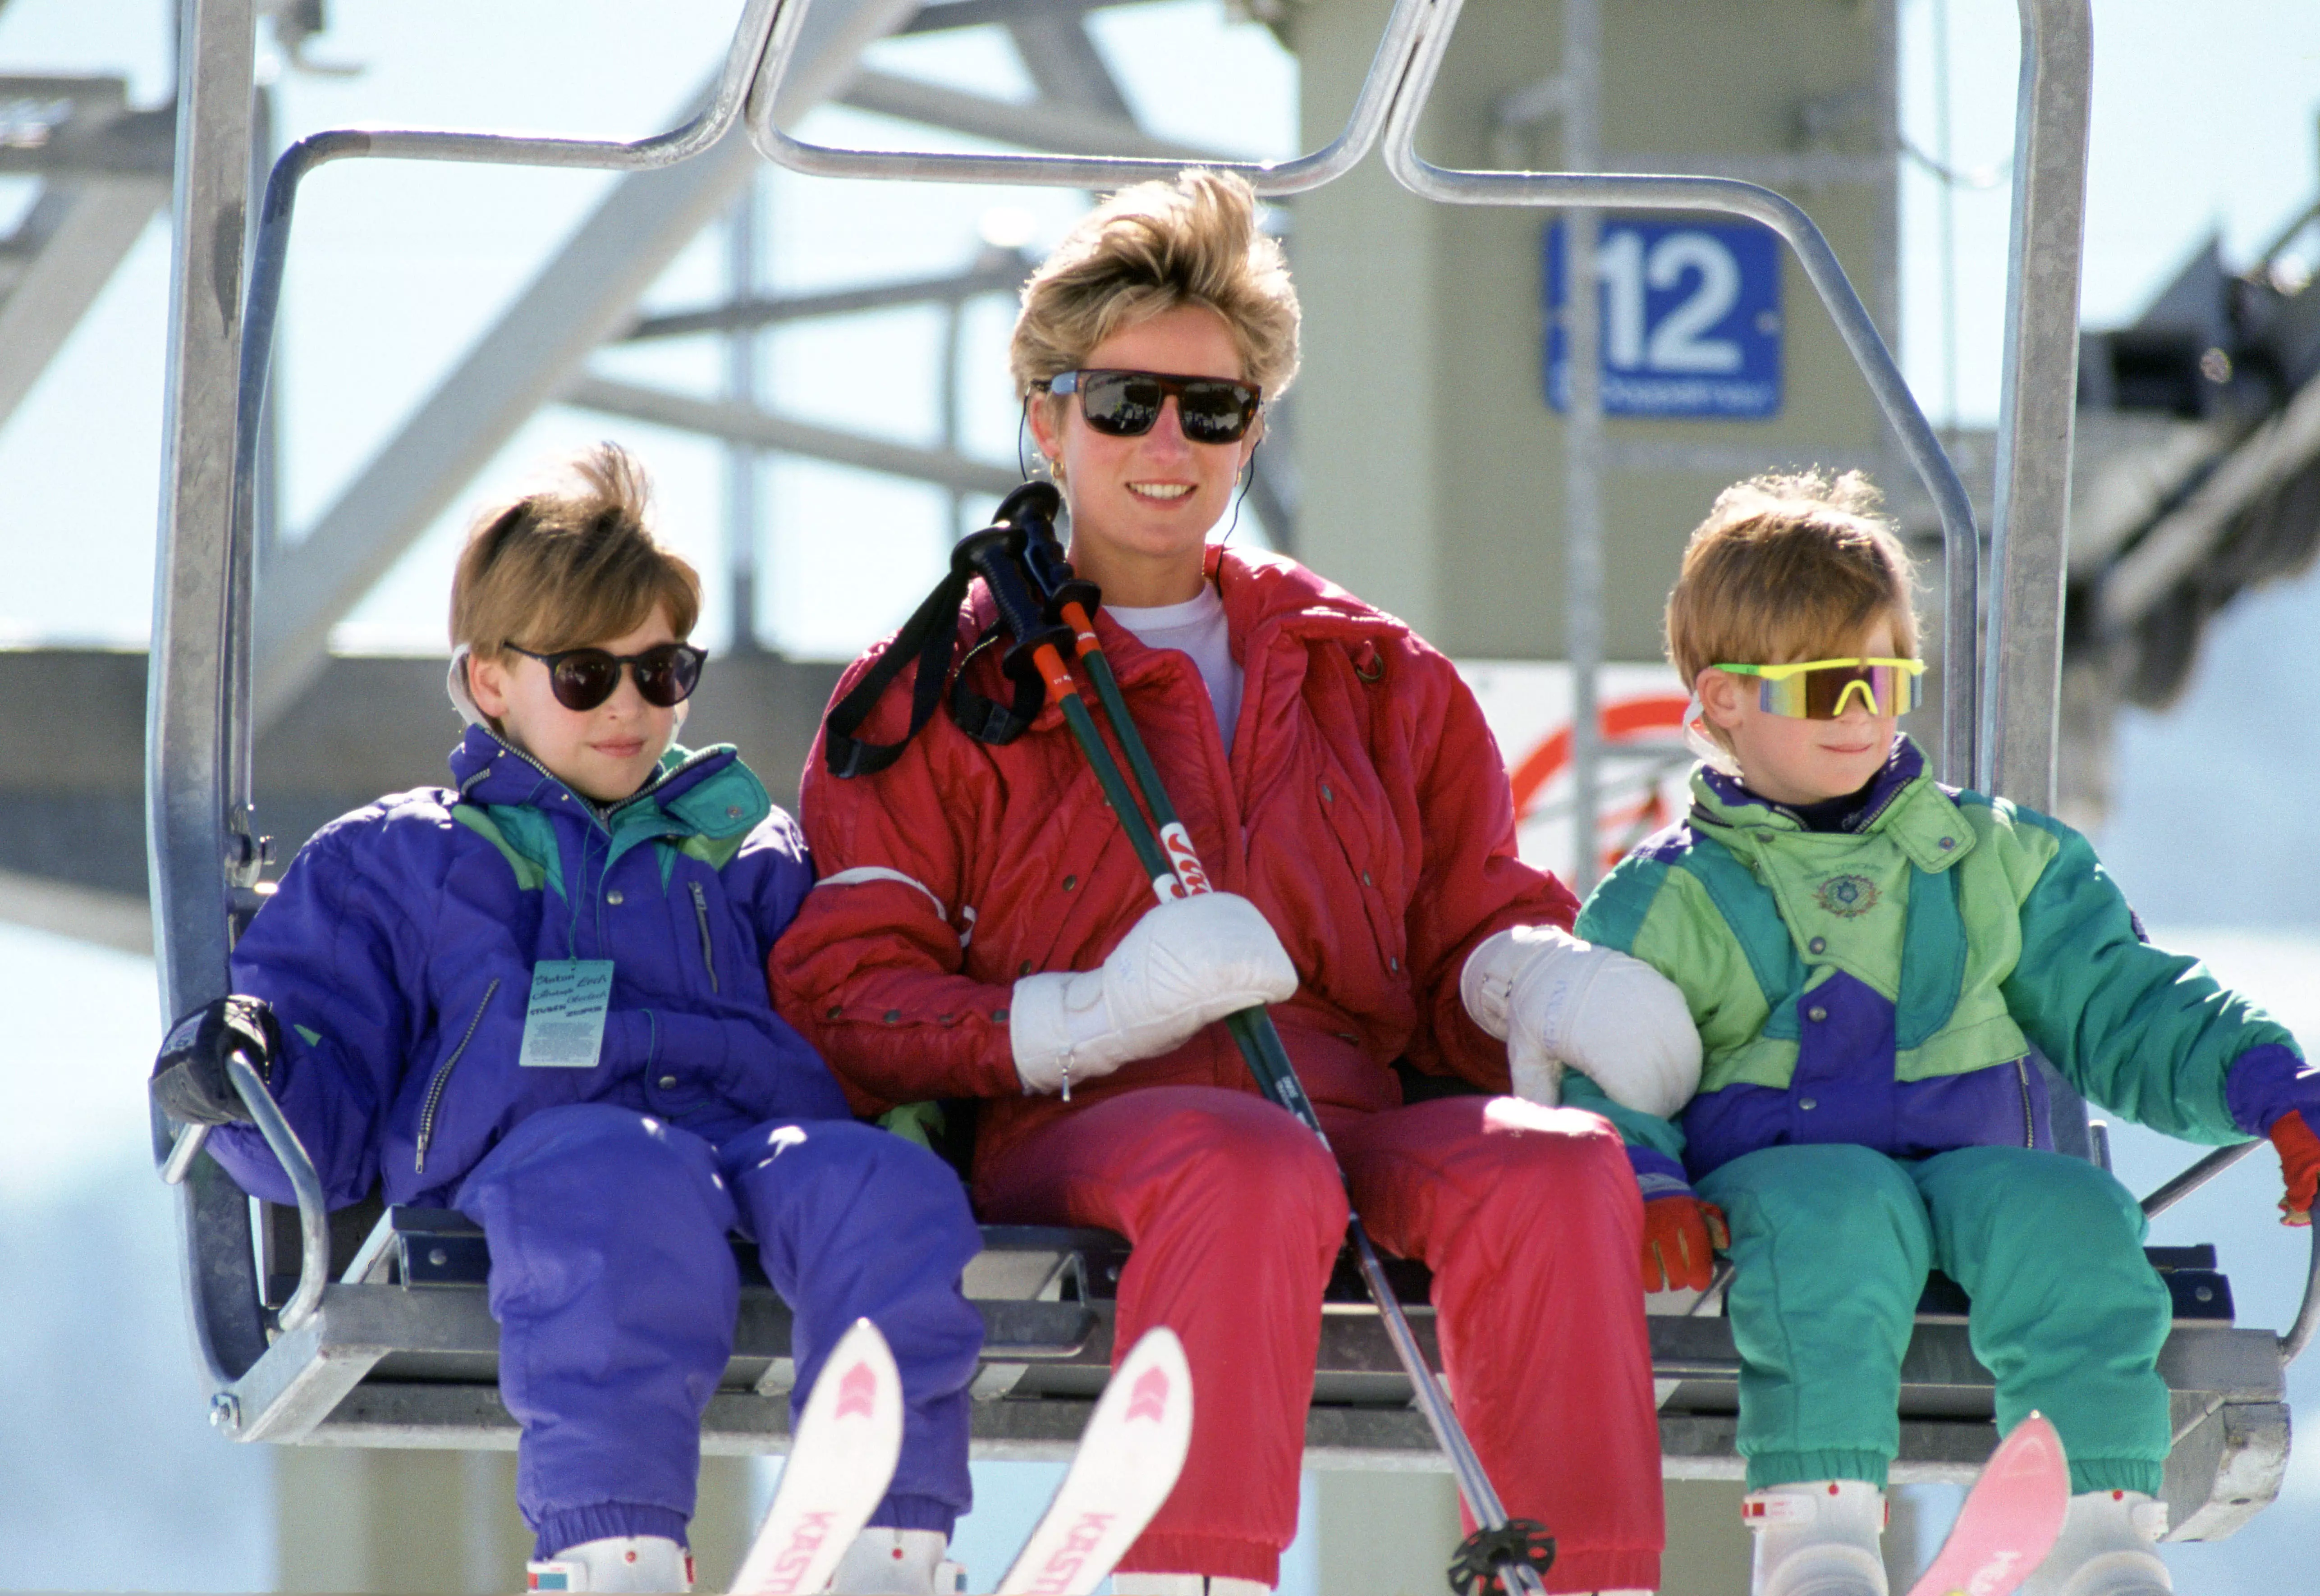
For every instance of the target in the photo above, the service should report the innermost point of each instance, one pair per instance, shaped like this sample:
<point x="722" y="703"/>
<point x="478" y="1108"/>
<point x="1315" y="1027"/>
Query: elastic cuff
<point x="1589" y="1569"/>
<point x="2116" y="1474"/>
<point x="1657" y="1174"/>
<point x="601" y="1521"/>
<point x="2266" y="1083"/>
<point x="1219" y="1556"/>
<point x="1767" y="1469"/>
<point x="914" y="1512"/>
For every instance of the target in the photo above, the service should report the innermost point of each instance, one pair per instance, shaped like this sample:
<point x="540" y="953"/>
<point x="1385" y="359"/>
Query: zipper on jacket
<point x="2029" y="1118"/>
<point x="708" y="947"/>
<point x="443" y="1079"/>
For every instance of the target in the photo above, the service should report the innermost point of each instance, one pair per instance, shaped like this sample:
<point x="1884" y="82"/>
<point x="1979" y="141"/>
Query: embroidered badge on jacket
<point x="1847" y="896"/>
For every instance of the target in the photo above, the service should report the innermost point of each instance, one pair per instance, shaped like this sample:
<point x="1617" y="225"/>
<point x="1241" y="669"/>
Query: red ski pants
<point x="1529" y="1218"/>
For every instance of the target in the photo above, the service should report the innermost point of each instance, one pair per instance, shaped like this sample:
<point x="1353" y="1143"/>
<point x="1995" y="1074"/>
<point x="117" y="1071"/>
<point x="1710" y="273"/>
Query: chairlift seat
<point x="404" y="1352"/>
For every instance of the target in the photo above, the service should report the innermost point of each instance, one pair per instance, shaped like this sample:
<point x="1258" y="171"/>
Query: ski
<point x="841" y="1460"/>
<point x="2011" y="1518"/>
<point x="1126" y="1465"/>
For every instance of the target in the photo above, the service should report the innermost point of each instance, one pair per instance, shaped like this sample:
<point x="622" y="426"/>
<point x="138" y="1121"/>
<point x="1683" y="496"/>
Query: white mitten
<point x="1556" y="1000"/>
<point x="1188" y="961"/>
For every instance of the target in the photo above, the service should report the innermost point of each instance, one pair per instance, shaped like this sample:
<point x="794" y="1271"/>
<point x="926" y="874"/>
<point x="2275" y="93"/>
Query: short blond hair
<point x="1146" y="250"/>
<point x="1792" y="565"/>
<point x="570" y="565"/>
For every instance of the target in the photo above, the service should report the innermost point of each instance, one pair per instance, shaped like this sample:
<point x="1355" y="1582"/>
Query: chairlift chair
<point x="369" y="1327"/>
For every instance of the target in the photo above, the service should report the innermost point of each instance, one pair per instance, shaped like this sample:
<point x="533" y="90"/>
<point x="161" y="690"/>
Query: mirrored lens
<point x="668" y="675"/>
<point x="1214" y="413"/>
<point x="1120" y="403"/>
<point x="1827" y="694"/>
<point x="585" y="679"/>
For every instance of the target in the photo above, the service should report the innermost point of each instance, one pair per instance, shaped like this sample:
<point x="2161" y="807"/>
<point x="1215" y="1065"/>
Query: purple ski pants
<point x="615" y="1290"/>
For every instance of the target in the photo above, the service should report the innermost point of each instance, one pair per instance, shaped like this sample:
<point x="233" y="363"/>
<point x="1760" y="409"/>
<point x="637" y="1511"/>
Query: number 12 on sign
<point x="1690" y="319"/>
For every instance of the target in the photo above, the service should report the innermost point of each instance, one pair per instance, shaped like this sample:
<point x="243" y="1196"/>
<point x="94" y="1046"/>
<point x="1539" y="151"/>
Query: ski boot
<point x="898" y="1563"/>
<point x="1817" y="1538"/>
<point x="636" y="1562"/>
<point x="2106" y="1548"/>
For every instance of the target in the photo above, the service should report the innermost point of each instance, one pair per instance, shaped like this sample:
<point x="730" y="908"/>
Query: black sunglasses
<point x="583" y="678"/>
<point x="1126" y="403"/>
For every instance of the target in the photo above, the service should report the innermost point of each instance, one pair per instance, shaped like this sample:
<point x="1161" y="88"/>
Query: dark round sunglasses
<point x="583" y="678"/>
<point x="1127" y="403"/>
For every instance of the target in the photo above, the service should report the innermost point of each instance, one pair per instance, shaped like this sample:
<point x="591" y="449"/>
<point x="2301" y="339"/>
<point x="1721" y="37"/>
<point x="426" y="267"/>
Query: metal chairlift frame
<point x="295" y="1371"/>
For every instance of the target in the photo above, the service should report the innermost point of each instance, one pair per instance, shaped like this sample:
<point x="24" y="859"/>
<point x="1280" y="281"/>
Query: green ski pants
<point x="1830" y="1246"/>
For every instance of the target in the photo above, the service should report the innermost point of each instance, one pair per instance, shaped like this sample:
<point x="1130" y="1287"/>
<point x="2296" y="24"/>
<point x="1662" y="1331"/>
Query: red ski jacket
<point x="1363" y="807"/>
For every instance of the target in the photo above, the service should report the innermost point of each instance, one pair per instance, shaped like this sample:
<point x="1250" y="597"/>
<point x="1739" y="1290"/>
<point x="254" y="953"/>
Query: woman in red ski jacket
<point x="983" y="929"/>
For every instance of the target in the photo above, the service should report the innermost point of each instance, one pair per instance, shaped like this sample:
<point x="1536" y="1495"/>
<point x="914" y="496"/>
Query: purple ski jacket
<point x="398" y="956"/>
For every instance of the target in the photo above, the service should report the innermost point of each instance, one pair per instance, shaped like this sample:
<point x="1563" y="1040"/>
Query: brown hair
<point x="571" y="565"/>
<point x="1789" y="566"/>
<point x="1146" y="250"/>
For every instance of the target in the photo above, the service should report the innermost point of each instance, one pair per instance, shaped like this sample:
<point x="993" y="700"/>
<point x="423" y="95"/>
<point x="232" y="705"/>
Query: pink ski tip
<point x="1149" y="1399"/>
<point x="857" y="1390"/>
<point x="2011" y="1520"/>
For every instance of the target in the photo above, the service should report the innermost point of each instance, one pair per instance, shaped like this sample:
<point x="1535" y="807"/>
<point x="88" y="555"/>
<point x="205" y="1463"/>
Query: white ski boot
<point x="1184" y="1584"/>
<point x="636" y="1562"/>
<point x="898" y="1563"/>
<point x="2106" y="1548"/>
<point x="1817" y="1539"/>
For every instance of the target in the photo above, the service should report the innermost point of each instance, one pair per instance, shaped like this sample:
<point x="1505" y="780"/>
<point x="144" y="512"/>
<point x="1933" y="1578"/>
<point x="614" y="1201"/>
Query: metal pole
<point x="187" y="773"/>
<point x="741" y="388"/>
<point x="1583" y="433"/>
<point x="2037" y="404"/>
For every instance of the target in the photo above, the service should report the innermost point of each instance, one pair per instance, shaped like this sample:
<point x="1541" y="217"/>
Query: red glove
<point x="1681" y="1236"/>
<point x="2299" y="1167"/>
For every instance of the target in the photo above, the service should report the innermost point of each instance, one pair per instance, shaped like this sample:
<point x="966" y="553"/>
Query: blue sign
<point x="1690" y="324"/>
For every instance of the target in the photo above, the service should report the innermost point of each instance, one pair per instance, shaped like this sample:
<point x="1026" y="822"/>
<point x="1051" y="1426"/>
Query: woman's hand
<point x="1556" y="1000"/>
<point x="1187" y="962"/>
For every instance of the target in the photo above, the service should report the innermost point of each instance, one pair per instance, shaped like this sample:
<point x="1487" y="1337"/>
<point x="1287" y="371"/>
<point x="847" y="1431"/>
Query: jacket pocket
<point x="443" y="1079"/>
<point x="708" y="943"/>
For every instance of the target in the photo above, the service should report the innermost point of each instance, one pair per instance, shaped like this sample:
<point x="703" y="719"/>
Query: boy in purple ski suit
<point x="392" y="990"/>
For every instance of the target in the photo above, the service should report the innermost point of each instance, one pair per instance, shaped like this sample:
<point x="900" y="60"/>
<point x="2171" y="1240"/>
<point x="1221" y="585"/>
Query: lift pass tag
<point x="564" y="1028"/>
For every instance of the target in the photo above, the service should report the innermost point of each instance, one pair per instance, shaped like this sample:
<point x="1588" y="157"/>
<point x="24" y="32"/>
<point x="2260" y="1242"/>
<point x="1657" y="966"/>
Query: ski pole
<point x="1518" y="1551"/>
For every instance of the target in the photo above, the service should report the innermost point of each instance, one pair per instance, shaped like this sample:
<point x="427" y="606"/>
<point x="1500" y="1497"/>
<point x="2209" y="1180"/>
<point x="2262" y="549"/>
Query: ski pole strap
<point x="929" y="638"/>
<point x="987" y="720"/>
<point x="1523" y="1542"/>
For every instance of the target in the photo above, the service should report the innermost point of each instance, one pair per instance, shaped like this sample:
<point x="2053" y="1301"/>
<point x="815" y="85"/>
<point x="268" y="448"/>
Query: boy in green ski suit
<point x="1873" y="960"/>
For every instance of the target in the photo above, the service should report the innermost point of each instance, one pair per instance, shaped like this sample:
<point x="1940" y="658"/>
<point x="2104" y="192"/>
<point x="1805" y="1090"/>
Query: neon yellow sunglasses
<point x="1819" y="689"/>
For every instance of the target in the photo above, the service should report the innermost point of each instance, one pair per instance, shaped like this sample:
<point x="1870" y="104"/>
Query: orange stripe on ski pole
<point x="1060" y="685"/>
<point x="1082" y="630"/>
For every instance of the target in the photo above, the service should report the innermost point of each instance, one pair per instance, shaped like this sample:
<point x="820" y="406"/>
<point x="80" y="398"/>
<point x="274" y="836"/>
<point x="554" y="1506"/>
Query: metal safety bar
<point x="2307" y="1313"/>
<point x="1405" y="32"/>
<point x="1961" y="546"/>
<point x="313" y="1212"/>
<point x="270" y="258"/>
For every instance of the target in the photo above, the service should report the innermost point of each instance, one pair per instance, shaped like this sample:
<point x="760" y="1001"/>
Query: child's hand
<point x="2299" y="1167"/>
<point x="190" y="1083"/>
<point x="1681" y="1236"/>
